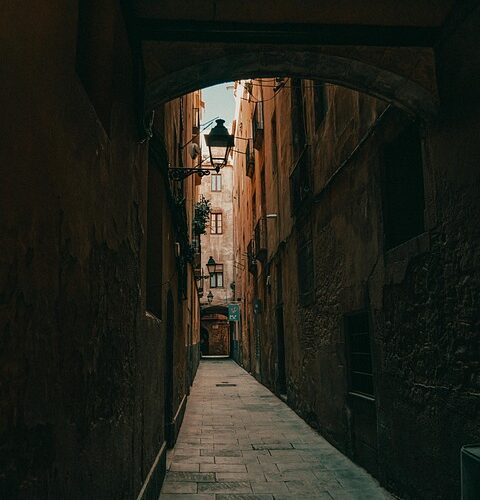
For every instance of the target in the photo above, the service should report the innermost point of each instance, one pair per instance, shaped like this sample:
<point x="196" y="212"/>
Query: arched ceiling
<point x="381" y="47"/>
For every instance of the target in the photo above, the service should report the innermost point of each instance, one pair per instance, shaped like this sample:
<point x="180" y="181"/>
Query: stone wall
<point x="81" y="362"/>
<point x="421" y="297"/>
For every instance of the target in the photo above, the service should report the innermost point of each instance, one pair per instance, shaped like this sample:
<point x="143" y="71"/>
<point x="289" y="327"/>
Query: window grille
<point x="359" y="354"/>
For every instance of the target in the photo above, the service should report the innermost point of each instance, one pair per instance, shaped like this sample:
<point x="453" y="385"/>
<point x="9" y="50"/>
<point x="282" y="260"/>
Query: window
<point x="404" y="202"/>
<point x="305" y="268"/>
<point x="216" y="182"/>
<point x="216" y="223"/>
<point x="216" y="279"/>
<point x="359" y="354"/>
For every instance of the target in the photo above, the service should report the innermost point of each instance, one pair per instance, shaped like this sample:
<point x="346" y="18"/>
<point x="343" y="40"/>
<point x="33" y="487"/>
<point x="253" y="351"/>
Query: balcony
<point x="250" y="159"/>
<point x="261" y="250"/>
<point x="257" y="124"/>
<point x="252" y="261"/>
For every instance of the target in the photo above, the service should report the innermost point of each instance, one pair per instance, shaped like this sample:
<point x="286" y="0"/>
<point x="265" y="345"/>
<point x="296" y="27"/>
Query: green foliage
<point x="201" y="215"/>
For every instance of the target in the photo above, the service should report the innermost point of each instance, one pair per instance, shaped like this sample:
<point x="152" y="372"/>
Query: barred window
<point x="359" y="354"/>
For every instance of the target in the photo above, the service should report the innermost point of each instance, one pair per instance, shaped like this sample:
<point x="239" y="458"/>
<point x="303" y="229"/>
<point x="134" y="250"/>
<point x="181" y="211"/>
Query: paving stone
<point x="220" y="453"/>
<point x="360" y="494"/>
<point x="179" y="487"/>
<point x="244" y="497"/>
<point x="272" y="487"/>
<point x="262" y="468"/>
<point x="186" y="496"/>
<point x="223" y="468"/>
<point x="184" y="467"/>
<point x="196" y="459"/>
<point x="196" y="477"/>
<point x="236" y="460"/>
<point x="227" y="487"/>
<point x="253" y="477"/>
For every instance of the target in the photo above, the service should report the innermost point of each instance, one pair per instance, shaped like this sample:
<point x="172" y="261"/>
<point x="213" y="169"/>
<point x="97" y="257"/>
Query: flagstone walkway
<point x="239" y="441"/>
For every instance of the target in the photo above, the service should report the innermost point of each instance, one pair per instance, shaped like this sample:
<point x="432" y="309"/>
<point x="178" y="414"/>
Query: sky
<point x="219" y="101"/>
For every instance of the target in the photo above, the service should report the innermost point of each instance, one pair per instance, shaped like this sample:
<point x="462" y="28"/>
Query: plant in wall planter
<point x="201" y="215"/>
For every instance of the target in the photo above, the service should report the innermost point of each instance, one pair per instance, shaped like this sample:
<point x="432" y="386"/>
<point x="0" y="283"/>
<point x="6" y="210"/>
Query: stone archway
<point x="383" y="48"/>
<point x="365" y="70"/>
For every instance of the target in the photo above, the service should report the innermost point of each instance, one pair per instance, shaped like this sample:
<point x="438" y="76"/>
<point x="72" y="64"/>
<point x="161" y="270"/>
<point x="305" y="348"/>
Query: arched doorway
<point x="215" y="332"/>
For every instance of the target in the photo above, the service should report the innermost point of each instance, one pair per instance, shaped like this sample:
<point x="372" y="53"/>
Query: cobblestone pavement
<point x="239" y="441"/>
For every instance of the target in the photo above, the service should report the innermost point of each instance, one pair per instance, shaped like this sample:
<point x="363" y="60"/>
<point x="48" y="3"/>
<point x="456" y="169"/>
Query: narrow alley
<point x="239" y="441"/>
<point x="240" y="249"/>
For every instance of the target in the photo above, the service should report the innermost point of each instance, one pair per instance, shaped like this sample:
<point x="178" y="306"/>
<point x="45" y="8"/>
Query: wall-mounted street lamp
<point x="211" y="265"/>
<point x="219" y="143"/>
<point x="210" y="297"/>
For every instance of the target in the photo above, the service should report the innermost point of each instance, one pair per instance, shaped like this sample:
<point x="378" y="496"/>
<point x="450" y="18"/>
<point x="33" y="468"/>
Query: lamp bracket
<point x="180" y="173"/>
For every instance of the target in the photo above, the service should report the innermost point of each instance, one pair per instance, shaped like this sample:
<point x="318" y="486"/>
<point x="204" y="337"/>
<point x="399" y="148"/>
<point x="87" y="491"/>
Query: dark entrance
<point x="204" y="341"/>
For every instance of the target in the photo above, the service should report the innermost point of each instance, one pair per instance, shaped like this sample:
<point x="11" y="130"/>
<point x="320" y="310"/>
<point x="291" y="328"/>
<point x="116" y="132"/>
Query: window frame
<point x="215" y="217"/>
<point x="218" y="183"/>
<point x="215" y="275"/>
<point x="361" y="316"/>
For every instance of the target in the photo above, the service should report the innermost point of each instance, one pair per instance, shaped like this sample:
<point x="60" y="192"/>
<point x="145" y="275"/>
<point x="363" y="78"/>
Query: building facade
<point x="217" y="242"/>
<point x="339" y="238"/>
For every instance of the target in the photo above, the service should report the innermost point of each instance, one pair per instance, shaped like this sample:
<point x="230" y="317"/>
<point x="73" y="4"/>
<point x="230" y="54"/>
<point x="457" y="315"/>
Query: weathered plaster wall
<point x="219" y="246"/>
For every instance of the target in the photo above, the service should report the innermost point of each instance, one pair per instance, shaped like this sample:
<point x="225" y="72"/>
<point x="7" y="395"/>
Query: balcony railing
<point x="252" y="261"/>
<point x="250" y="159"/>
<point x="257" y="124"/>
<point x="261" y="250"/>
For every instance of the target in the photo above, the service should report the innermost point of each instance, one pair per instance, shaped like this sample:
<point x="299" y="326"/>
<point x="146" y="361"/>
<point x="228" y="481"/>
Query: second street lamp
<point x="211" y="264"/>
